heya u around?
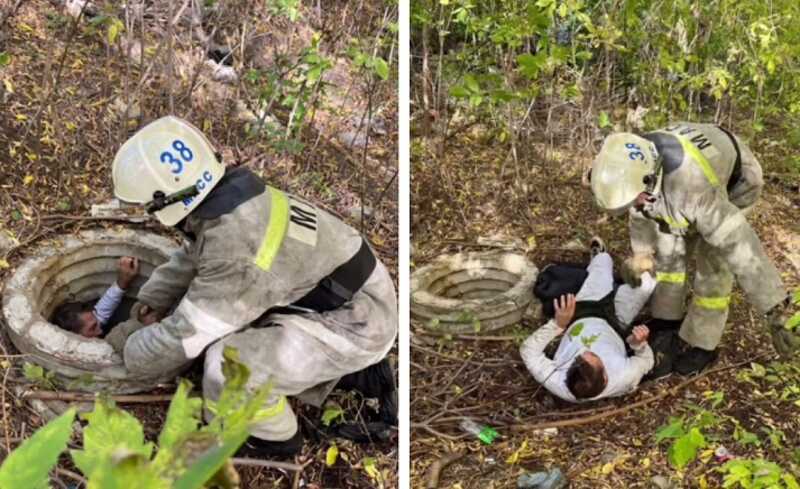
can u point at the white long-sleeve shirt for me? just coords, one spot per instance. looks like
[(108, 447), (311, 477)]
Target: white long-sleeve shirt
[(624, 373), (107, 304)]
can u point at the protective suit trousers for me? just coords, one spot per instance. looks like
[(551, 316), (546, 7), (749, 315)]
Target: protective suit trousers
[(708, 310), (304, 355)]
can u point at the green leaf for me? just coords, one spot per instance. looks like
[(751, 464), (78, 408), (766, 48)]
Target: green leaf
[(331, 455), (603, 121), (110, 430), (5, 59), (370, 467), (672, 430), (381, 68), (758, 370), (115, 26), (793, 322), (576, 330), (38, 375), (126, 471), (791, 481), (236, 409), (684, 450), (208, 465), (332, 413), (472, 84), (183, 418), (588, 341), (29, 465)]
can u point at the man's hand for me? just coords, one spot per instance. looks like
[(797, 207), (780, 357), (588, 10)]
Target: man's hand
[(127, 270), (565, 310), (147, 315), (639, 336)]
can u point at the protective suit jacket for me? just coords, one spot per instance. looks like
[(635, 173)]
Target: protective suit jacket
[(710, 178), (244, 280)]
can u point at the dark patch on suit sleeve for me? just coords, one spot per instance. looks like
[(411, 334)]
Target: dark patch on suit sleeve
[(669, 148)]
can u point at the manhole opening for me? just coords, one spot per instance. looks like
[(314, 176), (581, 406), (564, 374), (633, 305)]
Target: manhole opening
[(79, 269), (472, 292)]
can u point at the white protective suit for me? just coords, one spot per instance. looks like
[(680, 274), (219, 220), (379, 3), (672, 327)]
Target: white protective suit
[(700, 210), (256, 248)]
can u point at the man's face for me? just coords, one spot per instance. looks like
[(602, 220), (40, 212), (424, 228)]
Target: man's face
[(90, 326), (596, 363)]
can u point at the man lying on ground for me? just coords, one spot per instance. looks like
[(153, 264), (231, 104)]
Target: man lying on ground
[(83, 319), (591, 361)]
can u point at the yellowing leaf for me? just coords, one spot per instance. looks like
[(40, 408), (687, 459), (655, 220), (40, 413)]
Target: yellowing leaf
[(703, 482), (607, 468), (514, 457), (645, 462), (370, 467), (3, 264), (115, 27), (9, 86), (27, 180), (21, 117), (331, 455), (5, 364), (706, 455)]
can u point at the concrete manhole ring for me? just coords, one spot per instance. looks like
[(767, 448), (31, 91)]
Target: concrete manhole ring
[(77, 267), (455, 292)]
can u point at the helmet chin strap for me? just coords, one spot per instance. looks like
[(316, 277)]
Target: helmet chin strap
[(160, 200)]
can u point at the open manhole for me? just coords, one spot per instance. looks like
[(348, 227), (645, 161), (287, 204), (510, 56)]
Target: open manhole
[(473, 292), (78, 268)]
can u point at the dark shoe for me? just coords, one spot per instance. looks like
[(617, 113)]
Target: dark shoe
[(596, 246), (258, 448), (665, 344), (369, 432), (694, 360), (376, 381)]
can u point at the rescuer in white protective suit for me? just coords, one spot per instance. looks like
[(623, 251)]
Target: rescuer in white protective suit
[(686, 188), (296, 291)]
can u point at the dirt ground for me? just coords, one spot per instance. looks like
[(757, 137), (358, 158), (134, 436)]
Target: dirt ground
[(474, 191), (69, 97)]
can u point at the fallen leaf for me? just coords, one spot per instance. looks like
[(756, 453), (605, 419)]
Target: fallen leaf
[(331, 455)]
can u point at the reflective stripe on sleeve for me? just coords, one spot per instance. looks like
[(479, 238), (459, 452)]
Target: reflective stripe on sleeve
[(672, 278), (701, 160), (682, 223), (715, 303), (207, 328), (276, 229)]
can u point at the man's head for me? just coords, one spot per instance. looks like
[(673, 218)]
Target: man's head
[(626, 167), (78, 318), (169, 166), (586, 377)]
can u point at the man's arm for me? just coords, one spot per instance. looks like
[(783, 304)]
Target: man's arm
[(724, 227), (107, 304), (542, 368), (127, 270), (223, 298), (169, 281)]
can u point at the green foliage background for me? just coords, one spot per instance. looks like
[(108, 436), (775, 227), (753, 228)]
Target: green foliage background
[(733, 61)]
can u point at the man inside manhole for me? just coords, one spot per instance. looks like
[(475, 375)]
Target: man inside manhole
[(686, 189), (592, 361), (299, 293), (93, 320)]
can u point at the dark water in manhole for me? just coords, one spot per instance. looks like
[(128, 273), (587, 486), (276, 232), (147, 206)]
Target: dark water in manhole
[(121, 314)]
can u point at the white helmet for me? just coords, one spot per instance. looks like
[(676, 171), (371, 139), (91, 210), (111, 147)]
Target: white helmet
[(626, 166), (169, 166)]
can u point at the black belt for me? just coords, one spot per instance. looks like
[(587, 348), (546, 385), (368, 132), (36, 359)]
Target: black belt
[(339, 287), (736, 175), (603, 309)]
